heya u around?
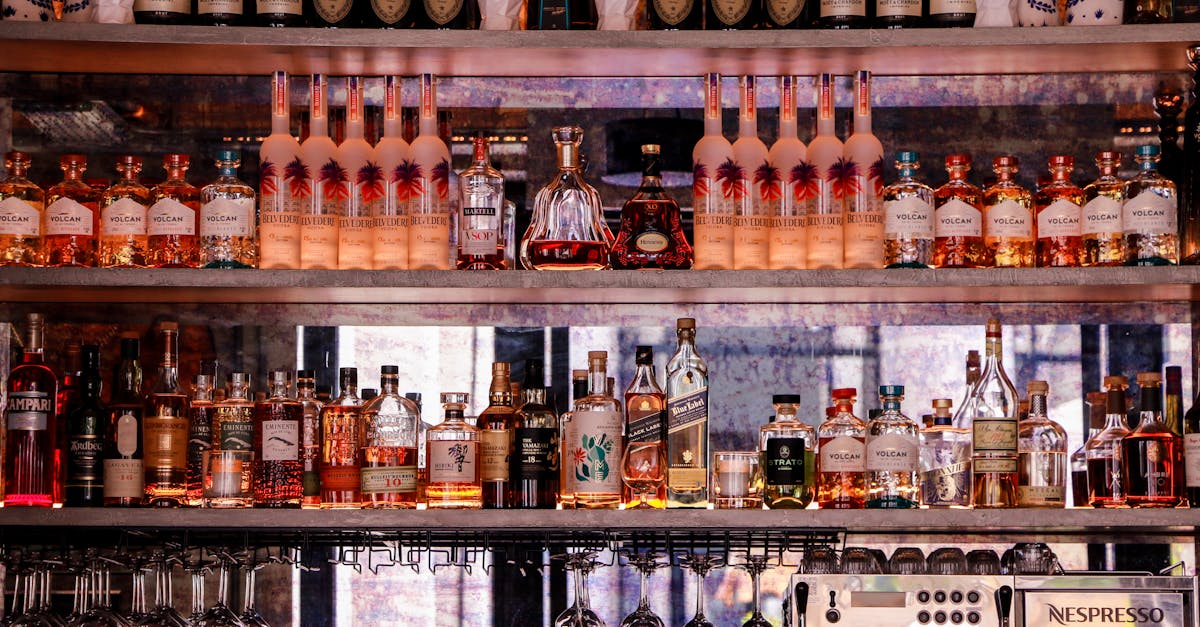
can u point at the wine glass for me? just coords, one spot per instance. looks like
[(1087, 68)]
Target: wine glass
[(101, 612), (250, 614), (219, 615), (643, 616), (580, 613), (755, 565), (701, 564), (163, 614), (644, 470)]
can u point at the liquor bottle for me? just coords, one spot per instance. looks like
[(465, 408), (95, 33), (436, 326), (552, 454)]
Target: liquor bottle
[(481, 236), (453, 458), (496, 440), (958, 224), (1106, 483), (124, 475), (233, 417), (534, 463), (70, 395), (318, 216), (1059, 209), (842, 15), (898, 14), (1102, 235), (787, 237), (567, 482), (310, 438), (392, 155), (1149, 11), (675, 14), (842, 451), (824, 221), (651, 234), (72, 218), (563, 15), (282, 186), (893, 456), (962, 419), (429, 189), (165, 428), (448, 14), (278, 473), (1168, 104), (754, 180), (788, 449), (227, 218), (645, 424), (592, 443), (687, 422), (1092, 426), (567, 231), (907, 216), (713, 185), (389, 467), (1008, 218), (862, 174), (732, 14), (1173, 399), (359, 186), (86, 422), (342, 437), (1191, 453), (945, 476), (1148, 215), (162, 11), (123, 218), (1152, 455), (1189, 188), (789, 14), (992, 408), (389, 14), (280, 13), (220, 12), (1041, 454), (332, 13), (951, 13), (200, 423), (30, 424), (22, 204), (171, 221)]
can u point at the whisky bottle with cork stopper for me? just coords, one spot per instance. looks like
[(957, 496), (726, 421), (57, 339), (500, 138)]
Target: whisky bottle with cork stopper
[(453, 458), (22, 205), (1059, 206), (1041, 454), (1102, 237), (496, 440), (1106, 478), (842, 450), (993, 410), (389, 465), (1008, 218), (958, 222), (945, 475), (1152, 454), (342, 438)]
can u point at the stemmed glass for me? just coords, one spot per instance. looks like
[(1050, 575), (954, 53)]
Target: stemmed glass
[(250, 614), (755, 565), (219, 615), (101, 612), (644, 470), (643, 616), (163, 614), (580, 613), (37, 598), (701, 564)]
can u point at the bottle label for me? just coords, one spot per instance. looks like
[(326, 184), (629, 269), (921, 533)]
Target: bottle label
[(280, 441), (783, 461), (714, 237), (391, 242), (751, 242), (1149, 214), (907, 218), (843, 454), (18, 217), (494, 447), (824, 240), (442, 11), (788, 243), (429, 241), (164, 442), (318, 241), (950, 7), (332, 11), (592, 441), (730, 12), (1008, 220), (537, 453), (479, 241), (957, 219), (840, 8), (28, 411), (124, 479), (1191, 459), (383, 480), (85, 453), (170, 217), (126, 437), (279, 239), (649, 426), (236, 434), (227, 217), (687, 410), (892, 452), (389, 11), (165, 6), (864, 239), (354, 243), (947, 486), (124, 217), (896, 8), (1060, 219), (340, 479), (218, 7), (67, 217), (1030, 495), (994, 435), (453, 461), (784, 12), (279, 7), (998, 465), (651, 242), (1101, 215), (672, 12), (199, 439)]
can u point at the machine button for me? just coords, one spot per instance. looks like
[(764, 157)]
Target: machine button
[(956, 597), (923, 596), (973, 597), (956, 617), (939, 618), (923, 617), (973, 618), (832, 616), (939, 596)]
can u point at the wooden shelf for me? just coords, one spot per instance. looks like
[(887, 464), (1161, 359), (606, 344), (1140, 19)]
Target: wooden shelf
[(149, 49)]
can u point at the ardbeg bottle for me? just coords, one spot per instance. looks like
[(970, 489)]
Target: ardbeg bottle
[(86, 426)]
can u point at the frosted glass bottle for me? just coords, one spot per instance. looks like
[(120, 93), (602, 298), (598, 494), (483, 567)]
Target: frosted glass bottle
[(362, 189), (754, 192), (319, 217), (863, 177), (282, 188), (787, 247), (392, 154), (824, 223), (429, 195), (713, 186)]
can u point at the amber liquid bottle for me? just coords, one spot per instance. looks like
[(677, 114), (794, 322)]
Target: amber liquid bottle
[(495, 440), (651, 234), (958, 224), (842, 448), (31, 424), (165, 428), (645, 428), (1059, 210), (278, 473), (199, 437), (173, 221), (72, 230), (124, 478), (342, 440), (1152, 455), (1008, 218)]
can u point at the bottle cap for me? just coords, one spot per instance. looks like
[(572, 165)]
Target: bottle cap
[(413, 396), (204, 381), (1116, 381), (908, 156), (91, 356), (1096, 398), (644, 355), (455, 398), (844, 393), (1004, 161), (685, 323), (535, 376), (872, 414), (176, 160), (578, 374), (306, 374), (1108, 155), (169, 325), (130, 345), (16, 155), (993, 327), (1038, 387), (348, 377), (239, 378), (597, 356), (972, 359), (1149, 379), (958, 160), (1174, 380), (1062, 161), (942, 403), (73, 160), (500, 368), (226, 154), (1145, 150), (891, 390), (389, 369), (651, 149), (129, 160), (280, 375), (789, 399)]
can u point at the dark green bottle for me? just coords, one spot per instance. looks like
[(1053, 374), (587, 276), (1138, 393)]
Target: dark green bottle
[(86, 428)]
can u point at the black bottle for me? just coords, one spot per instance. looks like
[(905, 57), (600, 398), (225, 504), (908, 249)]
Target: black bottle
[(279, 13), (675, 14), (562, 15), (950, 13), (389, 13), (839, 14), (787, 13), (162, 11), (86, 429), (732, 14), (332, 13), (898, 13), (220, 12), (1189, 180)]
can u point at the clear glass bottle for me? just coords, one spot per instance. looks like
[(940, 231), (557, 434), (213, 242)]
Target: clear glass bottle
[(1101, 234), (310, 438), (1148, 215), (713, 186), (755, 182), (593, 442), (962, 419), (1059, 210), (481, 236), (233, 420), (30, 423), (958, 221), (123, 217), (389, 466), (992, 408), (200, 422), (171, 222), (687, 421), (429, 190), (496, 439), (787, 155), (567, 230), (227, 218), (22, 205), (1093, 425), (567, 481), (1041, 454), (907, 216), (842, 451), (165, 428), (277, 476), (893, 457), (70, 237), (651, 234), (1106, 478), (645, 422), (824, 222), (453, 458), (340, 463), (788, 450), (534, 464), (1152, 454), (863, 172), (945, 475), (1008, 218)]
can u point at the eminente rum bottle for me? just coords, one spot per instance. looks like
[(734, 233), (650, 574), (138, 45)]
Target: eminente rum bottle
[(278, 480), (651, 234)]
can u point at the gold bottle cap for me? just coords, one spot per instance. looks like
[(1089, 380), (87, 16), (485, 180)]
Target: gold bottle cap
[(169, 325), (1149, 378), (973, 359), (942, 403), (500, 368), (1097, 398), (685, 323), (1036, 387), (455, 398), (594, 355), (1114, 381), (651, 149)]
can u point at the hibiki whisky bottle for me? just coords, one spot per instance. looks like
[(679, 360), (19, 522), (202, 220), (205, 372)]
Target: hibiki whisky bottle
[(72, 218), (165, 428), (787, 154), (788, 448), (390, 226), (227, 218), (200, 414), (124, 474), (318, 215), (992, 409), (30, 421), (713, 186), (687, 421), (481, 235), (22, 204), (567, 228), (945, 475), (645, 426), (1041, 454), (1148, 215), (1102, 236), (755, 186), (429, 193), (453, 458), (892, 455), (495, 439), (1106, 478), (171, 222), (278, 475), (907, 217), (593, 443), (282, 187), (958, 223), (362, 188), (863, 178), (651, 234), (1152, 455), (340, 463), (1059, 208), (842, 449), (1008, 218), (389, 470), (123, 217), (83, 452), (824, 222)]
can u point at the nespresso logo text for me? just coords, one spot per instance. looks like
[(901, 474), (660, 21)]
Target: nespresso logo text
[(1114, 615)]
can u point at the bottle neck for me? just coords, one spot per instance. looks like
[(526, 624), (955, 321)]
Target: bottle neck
[(74, 172), (994, 351), (957, 172), (747, 126), (454, 414), (176, 173), (535, 396), (1108, 169), (1150, 400), (862, 123), (168, 369), (1147, 164), (389, 384), (597, 379), (891, 403), (907, 171), (129, 173), (1037, 406), (1004, 174), (1060, 173), (306, 390), (227, 169), (279, 388), (18, 169), (568, 156)]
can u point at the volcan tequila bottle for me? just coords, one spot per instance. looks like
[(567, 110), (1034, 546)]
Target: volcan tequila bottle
[(788, 448), (958, 223), (123, 217), (310, 438), (787, 154), (1102, 237), (713, 186), (1008, 219), (171, 222), (842, 448), (1148, 215), (907, 217), (1041, 454), (227, 218), (22, 204), (892, 455), (567, 231), (1059, 207), (755, 180), (72, 218)]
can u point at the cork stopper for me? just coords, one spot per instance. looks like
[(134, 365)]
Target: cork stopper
[(993, 327), (685, 323), (942, 403), (1038, 387), (1114, 382), (1152, 379)]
